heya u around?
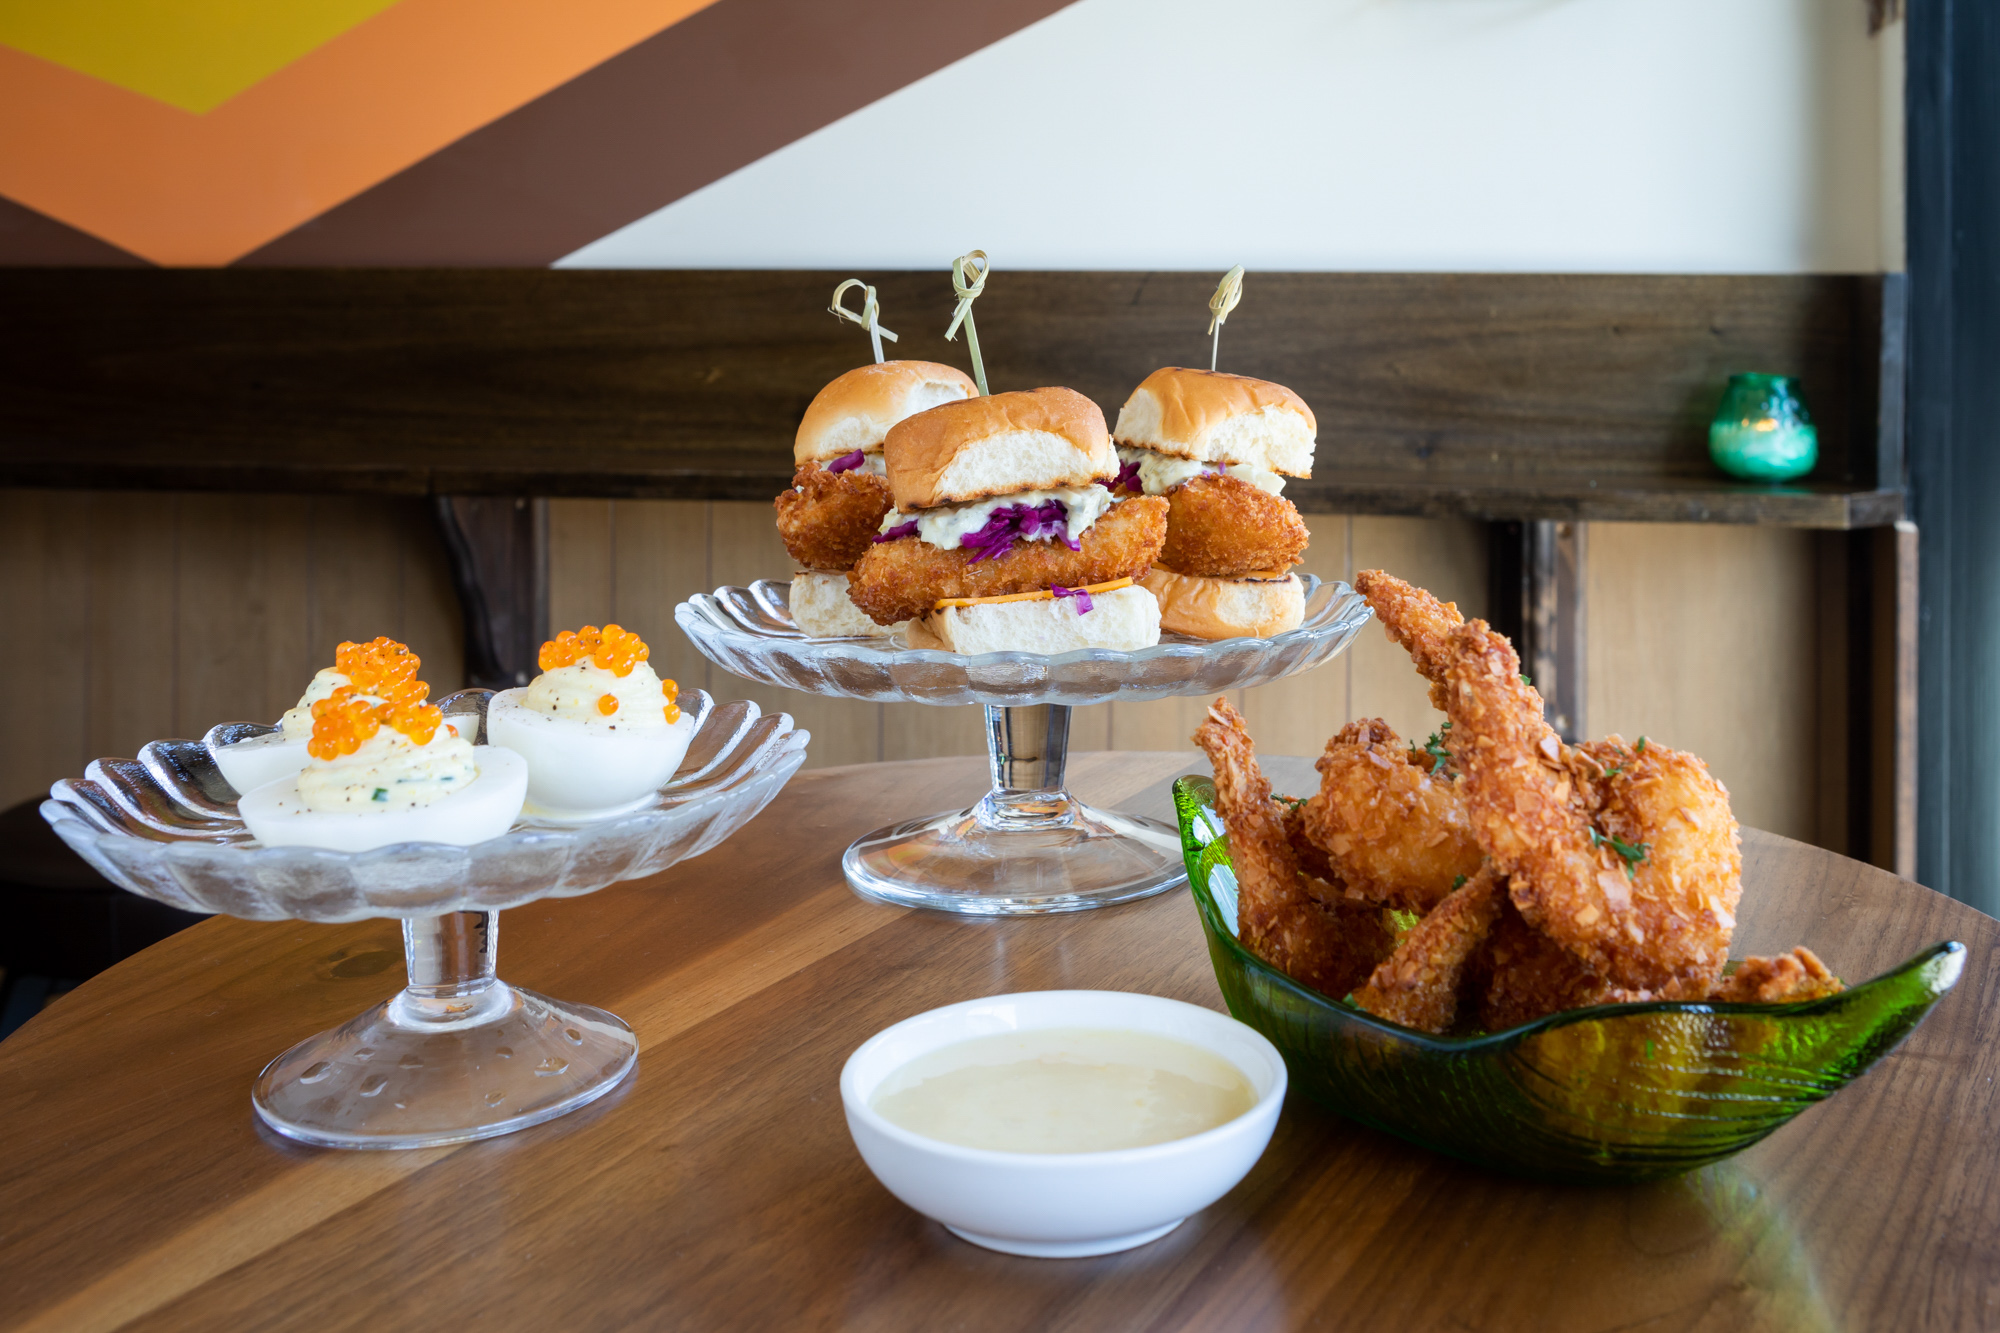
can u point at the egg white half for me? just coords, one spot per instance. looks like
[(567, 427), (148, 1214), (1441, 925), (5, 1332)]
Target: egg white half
[(581, 768), (248, 765), (484, 808)]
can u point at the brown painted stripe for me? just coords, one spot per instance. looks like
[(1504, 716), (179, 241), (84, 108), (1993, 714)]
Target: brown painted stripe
[(34, 239), (715, 92)]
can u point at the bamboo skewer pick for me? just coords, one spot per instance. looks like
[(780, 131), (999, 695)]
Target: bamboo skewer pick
[(1227, 293), (866, 319), (968, 281)]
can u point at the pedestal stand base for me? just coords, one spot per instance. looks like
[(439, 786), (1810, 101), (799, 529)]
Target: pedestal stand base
[(415, 1073), (968, 861)]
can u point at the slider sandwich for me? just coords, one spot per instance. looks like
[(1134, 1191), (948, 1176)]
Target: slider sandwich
[(1005, 536), (839, 494), (1218, 448)]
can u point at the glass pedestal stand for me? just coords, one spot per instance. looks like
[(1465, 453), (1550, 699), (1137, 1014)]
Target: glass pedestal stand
[(457, 1055), (1027, 847)]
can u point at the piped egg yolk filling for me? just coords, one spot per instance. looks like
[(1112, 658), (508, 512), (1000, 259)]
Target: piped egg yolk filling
[(593, 675), (377, 743)]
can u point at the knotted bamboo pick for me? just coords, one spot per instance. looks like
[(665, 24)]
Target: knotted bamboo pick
[(968, 281), (1227, 293), (866, 319)]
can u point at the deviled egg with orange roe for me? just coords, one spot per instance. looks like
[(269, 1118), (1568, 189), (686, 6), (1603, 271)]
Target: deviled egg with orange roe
[(250, 763), (599, 729), (384, 767)]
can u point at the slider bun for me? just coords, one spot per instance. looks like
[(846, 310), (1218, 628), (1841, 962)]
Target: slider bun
[(1123, 619), (1226, 608), (857, 410), (1209, 417), (1005, 442), (821, 607)]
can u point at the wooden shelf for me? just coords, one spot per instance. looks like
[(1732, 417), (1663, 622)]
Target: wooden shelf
[(1507, 397)]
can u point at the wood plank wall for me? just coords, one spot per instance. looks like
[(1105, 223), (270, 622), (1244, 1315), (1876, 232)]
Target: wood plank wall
[(162, 614)]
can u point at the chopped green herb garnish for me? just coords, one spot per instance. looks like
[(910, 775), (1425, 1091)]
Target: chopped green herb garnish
[(381, 793), (1458, 884), (1528, 682), (1633, 853), (1440, 755), (1642, 745)]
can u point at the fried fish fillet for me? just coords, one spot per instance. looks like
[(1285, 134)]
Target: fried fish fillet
[(828, 519), (1222, 527), (1331, 949), (1418, 985), (1634, 866), (1393, 831), (900, 579)]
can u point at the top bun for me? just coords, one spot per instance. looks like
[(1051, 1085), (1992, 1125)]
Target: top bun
[(856, 410), (997, 445), (1208, 417)]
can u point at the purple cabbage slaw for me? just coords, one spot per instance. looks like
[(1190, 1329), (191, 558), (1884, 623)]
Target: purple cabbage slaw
[(1082, 595), (908, 529), (846, 462), (1128, 478), (1004, 527)]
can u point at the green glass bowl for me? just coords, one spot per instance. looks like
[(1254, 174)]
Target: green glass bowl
[(1611, 1093)]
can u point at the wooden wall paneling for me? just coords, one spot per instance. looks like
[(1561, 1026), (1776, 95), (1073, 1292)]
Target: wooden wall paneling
[(378, 567), (1842, 740), (1892, 792), (925, 731), (580, 558), (1704, 638), (133, 622), (45, 586), (744, 546), (497, 551), (1486, 395), (1446, 556), (428, 606), (1297, 714), (244, 570), (1089, 728), (660, 558)]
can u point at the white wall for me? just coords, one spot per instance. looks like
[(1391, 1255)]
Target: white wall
[(1524, 135)]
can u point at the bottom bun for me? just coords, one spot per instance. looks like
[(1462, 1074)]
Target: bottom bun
[(1226, 608), (822, 608), (1123, 619)]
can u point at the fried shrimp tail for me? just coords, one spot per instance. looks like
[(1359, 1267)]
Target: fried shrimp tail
[(1416, 622), (1632, 865), (1393, 831), (1787, 979), (828, 519), (1419, 984), (1331, 949)]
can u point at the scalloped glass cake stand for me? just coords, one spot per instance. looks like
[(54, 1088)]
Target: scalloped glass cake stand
[(458, 1054), (1028, 846)]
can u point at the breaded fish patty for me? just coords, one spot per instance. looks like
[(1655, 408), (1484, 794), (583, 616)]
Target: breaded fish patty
[(1222, 527), (828, 519), (899, 579)]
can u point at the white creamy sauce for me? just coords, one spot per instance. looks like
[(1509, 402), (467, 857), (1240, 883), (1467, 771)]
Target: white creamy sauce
[(1064, 1090), (1160, 473), (871, 461), (298, 720), (389, 771), (572, 693), (946, 526)]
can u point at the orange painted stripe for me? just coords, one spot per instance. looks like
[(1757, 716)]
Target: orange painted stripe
[(1043, 596), (184, 189)]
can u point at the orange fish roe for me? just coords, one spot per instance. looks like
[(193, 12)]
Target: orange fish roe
[(385, 671), (607, 704), (612, 648), (672, 690)]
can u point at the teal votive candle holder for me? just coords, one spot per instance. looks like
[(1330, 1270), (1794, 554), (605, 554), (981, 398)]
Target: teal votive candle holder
[(1761, 431)]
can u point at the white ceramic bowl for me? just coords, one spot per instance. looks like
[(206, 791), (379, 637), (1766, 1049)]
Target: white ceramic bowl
[(1062, 1205)]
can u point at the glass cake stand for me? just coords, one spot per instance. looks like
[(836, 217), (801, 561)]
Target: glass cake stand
[(1028, 846), (458, 1054)]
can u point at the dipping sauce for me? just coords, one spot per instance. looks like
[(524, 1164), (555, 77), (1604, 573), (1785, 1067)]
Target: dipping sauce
[(1064, 1090)]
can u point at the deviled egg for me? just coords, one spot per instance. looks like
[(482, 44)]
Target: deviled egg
[(599, 729), (250, 763), (384, 767)]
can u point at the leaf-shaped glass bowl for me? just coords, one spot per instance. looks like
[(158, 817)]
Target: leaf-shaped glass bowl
[(164, 825), (1611, 1093)]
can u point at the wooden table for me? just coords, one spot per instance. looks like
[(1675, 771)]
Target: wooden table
[(719, 1190)]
